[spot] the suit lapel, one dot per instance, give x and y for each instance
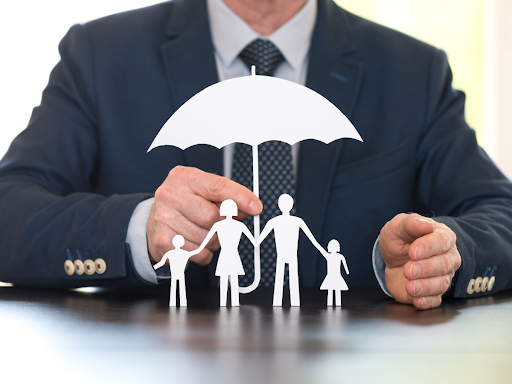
(190, 66)
(332, 74)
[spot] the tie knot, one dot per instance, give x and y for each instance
(264, 55)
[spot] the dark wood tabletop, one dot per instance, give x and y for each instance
(132, 336)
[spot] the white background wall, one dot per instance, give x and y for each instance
(498, 92)
(31, 30)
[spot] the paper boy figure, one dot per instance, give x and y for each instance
(178, 259)
(333, 281)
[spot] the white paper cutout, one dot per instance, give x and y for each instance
(229, 265)
(334, 282)
(178, 260)
(286, 232)
(252, 110)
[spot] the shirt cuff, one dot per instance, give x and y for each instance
(136, 238)
(379, 267)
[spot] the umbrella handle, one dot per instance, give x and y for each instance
(256, 190)
(257, 265)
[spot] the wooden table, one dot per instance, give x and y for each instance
(132, 336)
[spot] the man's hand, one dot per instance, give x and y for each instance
(187, 203)
(421, 258)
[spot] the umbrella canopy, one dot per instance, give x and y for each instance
(252, 110)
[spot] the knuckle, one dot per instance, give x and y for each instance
(203, 257)
(160, 240)
(218, 186)
(161, 217)
(210, 217)
(178, 172)
(447, 283)
(447, 264)
(458, 260)
(164, 194)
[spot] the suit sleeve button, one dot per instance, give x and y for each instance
(89, 267)
(471, 287)
(79, 267)
(69, 267)
(100, 265)
(491, 283)
(478, 284)
(485, 283)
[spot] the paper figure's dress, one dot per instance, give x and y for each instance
(333, 280)
(229, 262)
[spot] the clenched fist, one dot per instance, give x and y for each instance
(187, 203)
(421, 258)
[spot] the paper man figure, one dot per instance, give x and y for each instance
(286, 233)
(178, 259)
(229, 265)
(333, 281)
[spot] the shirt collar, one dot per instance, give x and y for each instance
(230, 34)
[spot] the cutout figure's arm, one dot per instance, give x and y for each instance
(206, 240)
(161, 262)
(249, 235)
(193, 253)
(311, 238)
(269, 227)
(345, 264)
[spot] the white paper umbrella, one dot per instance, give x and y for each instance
(252, 110)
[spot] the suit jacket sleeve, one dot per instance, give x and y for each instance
(455, 176)
(50, 211)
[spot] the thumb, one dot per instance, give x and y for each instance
(399, 233)
(412, 226)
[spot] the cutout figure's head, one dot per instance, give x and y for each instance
(285, 203)
(333, 246)
(228, 208)
(178, 241)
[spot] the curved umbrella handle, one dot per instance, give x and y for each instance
(256, 190)
(257, 267)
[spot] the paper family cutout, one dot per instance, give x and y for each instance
(229, 265)
(292, 113)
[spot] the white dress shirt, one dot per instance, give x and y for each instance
(230, 35)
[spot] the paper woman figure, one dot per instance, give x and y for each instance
(333, 281)
(229, 265)
(178, 259)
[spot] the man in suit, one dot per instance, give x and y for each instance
(77, 183)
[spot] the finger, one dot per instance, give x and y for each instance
(395, 283)
(397, 236)
(412, 226)
(432, 286)
(427, 302)
(167, 222)
(198, 211)
(160, 235)
(218, 188)
(435, 243)
(438, 265)
(173, 198)
(203, 258)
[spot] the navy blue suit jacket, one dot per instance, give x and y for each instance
(70, 181)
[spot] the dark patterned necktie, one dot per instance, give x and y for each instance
(275, 171)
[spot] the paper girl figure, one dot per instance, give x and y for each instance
(178, 259)
(333, 281)
(229, 266)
